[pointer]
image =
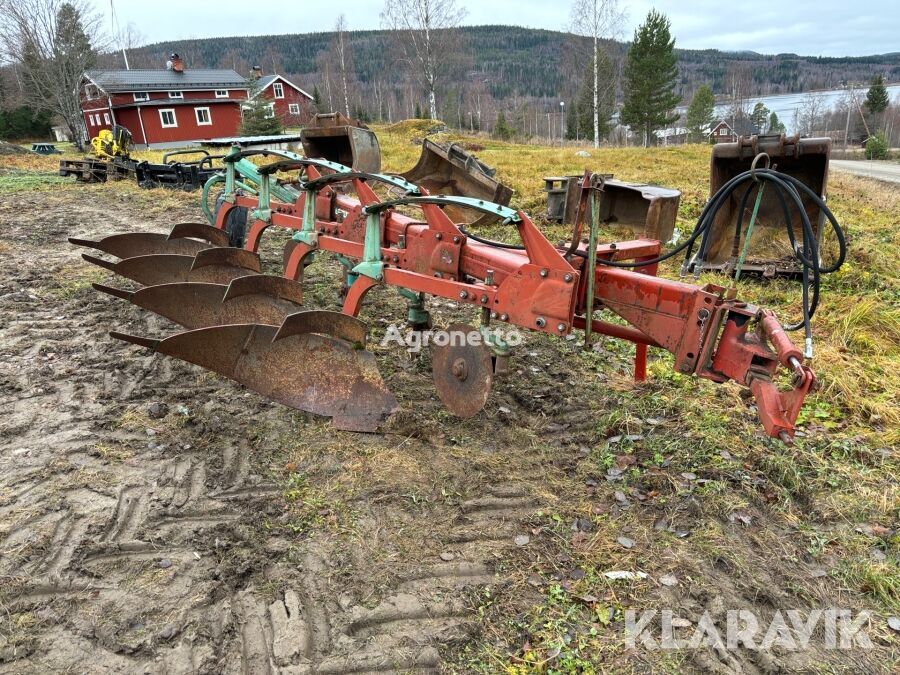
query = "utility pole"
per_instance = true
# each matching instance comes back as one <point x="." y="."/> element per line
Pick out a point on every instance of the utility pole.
<point x="849" y="110"/>
<point x="562" y="122"/>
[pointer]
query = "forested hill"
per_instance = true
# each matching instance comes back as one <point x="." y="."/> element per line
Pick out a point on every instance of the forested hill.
<point x="512" y="61"/>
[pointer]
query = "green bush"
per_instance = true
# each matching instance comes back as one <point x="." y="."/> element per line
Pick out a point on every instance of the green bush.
<point x="877" y="147"/>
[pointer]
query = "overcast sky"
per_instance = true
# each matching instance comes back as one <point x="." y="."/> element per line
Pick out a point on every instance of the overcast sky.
<point x="808" y="27"/>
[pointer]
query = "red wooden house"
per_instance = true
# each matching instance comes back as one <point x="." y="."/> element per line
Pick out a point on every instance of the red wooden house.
<point x="175" y="106"/>
<point x="290" y="103"/>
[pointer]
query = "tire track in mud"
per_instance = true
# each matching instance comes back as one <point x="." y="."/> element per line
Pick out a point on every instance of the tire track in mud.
<point x="104" y="556"/>
<point x="425" y="608"/>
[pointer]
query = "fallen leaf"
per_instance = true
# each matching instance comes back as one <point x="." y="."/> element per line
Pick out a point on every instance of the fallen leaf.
<point x="688" y="475"/>
<point x="668" y="580"/>
<point x="522" y="540"/>
<point x="894" y="623"/>
<point x="446" y="556"/>
<point x="625" y="541"/>
<point x="678" y="622"/>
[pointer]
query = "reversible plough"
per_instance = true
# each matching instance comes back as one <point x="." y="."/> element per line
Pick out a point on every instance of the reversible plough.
<point x="254" y="328"/>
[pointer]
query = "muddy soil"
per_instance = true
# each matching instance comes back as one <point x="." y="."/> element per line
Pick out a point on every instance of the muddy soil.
<point x="157" y="518"/>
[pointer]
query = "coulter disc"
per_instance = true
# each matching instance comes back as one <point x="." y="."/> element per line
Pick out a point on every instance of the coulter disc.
<point x="463" y="372"/>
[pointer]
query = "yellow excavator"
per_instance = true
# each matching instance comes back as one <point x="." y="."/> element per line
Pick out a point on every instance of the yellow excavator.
<point x="111" y="160"/>
<point x="114" y="143"/>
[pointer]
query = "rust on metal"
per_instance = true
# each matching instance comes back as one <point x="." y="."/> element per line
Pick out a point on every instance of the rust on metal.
<point x="198" y="305"/>
<point x="203" y="231"/>
<point x="184" y="239"/>
<point x="450" y="170"/>
<point x="152" y="270"/>
<point x="135" y="244"/>
<point x="337" y="138"/>
<point x="462" y="371"/>
<point x="806" y="159"/>
<point x="646" y="210"/>
<point x="324" y="322"/>
<point x="307" y="371"/>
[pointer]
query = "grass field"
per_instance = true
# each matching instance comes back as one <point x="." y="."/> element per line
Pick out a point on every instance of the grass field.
<point x="675" y="466"/>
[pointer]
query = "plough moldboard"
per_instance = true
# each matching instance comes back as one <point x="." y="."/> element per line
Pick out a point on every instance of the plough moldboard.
<point x="254" y="329"/>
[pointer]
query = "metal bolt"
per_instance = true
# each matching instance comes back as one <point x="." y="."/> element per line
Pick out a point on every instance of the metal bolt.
<point x="493" y="315"/>
<point x="504" y="317"/>
<point x="484" y="299"/>
<point x="613" y="247"/>
<point x="541" y="322"/>
<point x="396" y="258"/>
<point x="438" y="275"/>
<point x="438" y="236"/>
<point x="567" y="278"/>
<point x="455" y="240"/>
<point x="544" y="273"/>
<point x="463" y="295"/>
<point x="489" y="277"/>
<point x="561" y="327"/>
<point x="703" y="313"/>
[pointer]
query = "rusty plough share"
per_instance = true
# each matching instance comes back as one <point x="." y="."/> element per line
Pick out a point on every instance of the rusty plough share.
<point x="253" y="328"/>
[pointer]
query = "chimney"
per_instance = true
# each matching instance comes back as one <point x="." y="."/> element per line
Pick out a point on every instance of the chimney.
<point x="255" y="73"/>
<point x="175" y="63"/>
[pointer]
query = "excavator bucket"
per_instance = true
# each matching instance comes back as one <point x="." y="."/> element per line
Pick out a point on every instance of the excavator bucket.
<point x="211" y="265"/>
<point x="184" y="239"/>
<point x="337" y="138"/>
<point x="646" y="210"/>
<point x="312" y="362"/>
<point x="450" y="170"/>
<point x="257" y="298"/>
<point x="769" y="252"/>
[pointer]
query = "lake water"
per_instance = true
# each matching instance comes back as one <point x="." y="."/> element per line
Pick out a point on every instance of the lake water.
<point x="784" y="105"/>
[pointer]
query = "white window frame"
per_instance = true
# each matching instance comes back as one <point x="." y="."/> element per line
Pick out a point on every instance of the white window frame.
<point x="91" y="92"/>
<point x="139" y="96"/>
<point x="106" y="118"/>
<point x="221" y="93"/>
<point x="162" y="119"/>
<point x="91" y="119"/>
<point x="271" y="111"/>
<point x="294" y="108"/>
<point x="276" y="88"/>
<point x="208" y="121"/>
<point x="176" y="94"/>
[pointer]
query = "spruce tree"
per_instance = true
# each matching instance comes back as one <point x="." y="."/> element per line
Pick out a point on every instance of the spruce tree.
<point x="776" y="126"/>
<point x="257" y="117"/>
<point x="877" y="98"/>
<point x="700" y="113"/>
<point x="650" y="77"/>
<point x="760" y="117"/>
<point x="502" y="129"/>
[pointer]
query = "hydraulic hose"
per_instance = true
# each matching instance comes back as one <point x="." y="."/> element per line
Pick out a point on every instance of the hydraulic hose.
<point x="788" y="191"/>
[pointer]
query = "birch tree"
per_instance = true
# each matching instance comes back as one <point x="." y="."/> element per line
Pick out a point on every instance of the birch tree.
<point x="51" y="43"/>
<point x="424" y="33"/>
<point x="597" y="20"/>
<point x="344" y="58"/>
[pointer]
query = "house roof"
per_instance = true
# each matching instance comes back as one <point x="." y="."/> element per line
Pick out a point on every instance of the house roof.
<point x="112" y="81"/>
<point x="266" y="80"/>
<point x="742" y="127"/>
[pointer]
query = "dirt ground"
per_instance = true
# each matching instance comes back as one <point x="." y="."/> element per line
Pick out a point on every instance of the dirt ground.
<point x="157" y="518"/>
